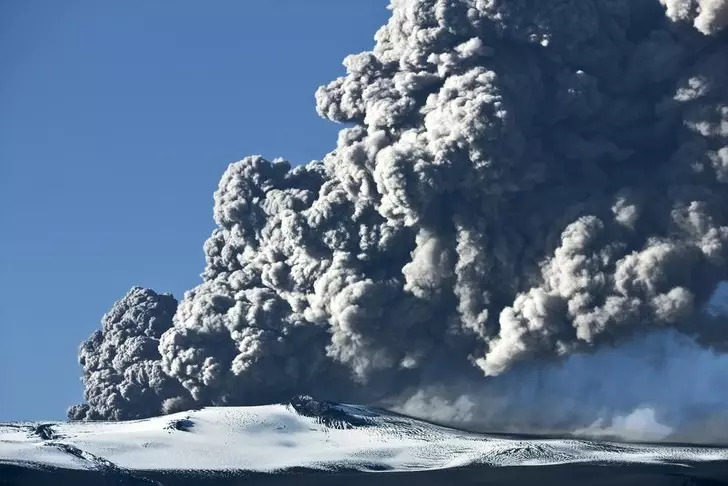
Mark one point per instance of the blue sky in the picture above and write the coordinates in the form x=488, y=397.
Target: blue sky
x=117, y=120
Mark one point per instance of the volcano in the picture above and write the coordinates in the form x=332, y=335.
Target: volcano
x=304, y=438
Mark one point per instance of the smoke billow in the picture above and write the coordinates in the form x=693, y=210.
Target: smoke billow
x=521, y=185
x=658, y=385
x=708, y=16
x=122, y=371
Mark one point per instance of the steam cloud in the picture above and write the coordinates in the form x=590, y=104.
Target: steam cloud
x=520, y=184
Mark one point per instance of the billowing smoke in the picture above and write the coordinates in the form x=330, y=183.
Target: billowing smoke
x=122, y=369
x=658, y=385
x=520, y=185
x=708, y=16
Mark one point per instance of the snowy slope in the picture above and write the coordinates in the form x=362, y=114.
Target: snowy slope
x=303, y=433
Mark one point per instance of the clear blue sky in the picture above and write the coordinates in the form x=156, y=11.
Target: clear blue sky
x=117, y=119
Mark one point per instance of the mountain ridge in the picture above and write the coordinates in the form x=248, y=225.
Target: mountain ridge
x=309, y=434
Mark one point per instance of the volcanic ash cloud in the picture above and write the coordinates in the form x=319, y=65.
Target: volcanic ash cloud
x=122, y=370
x=518, y=182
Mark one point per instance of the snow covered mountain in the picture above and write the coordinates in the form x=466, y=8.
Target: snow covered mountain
x=307, y=434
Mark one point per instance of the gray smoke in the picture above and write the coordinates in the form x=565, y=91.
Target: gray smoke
x=519, y=183
x=708, y=16
x=659, y=385
x=122, y=372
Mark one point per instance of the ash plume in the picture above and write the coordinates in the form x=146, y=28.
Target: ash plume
x=518, y=183
x=122, y=372
x=708, y=16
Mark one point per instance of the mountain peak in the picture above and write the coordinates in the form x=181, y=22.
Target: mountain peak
x=332, y=414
